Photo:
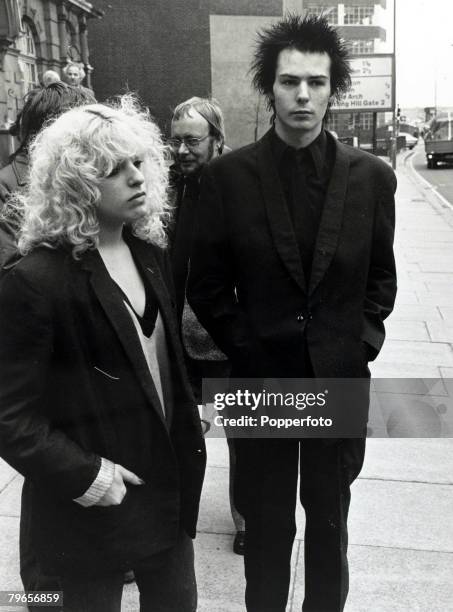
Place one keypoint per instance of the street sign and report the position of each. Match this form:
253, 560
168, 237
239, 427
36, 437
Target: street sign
372, 85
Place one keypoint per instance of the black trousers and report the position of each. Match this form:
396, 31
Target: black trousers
266, 495
166, 583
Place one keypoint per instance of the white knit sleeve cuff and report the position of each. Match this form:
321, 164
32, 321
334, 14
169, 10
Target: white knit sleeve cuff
99, 486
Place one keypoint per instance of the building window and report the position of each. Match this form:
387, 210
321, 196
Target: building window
27, 58
358, 15
334, 122
361, 46
366, 121
362, 121
329, 12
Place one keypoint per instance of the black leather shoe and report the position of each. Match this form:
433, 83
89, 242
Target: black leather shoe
239, 543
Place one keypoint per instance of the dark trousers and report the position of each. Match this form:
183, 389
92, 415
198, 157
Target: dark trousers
197, 370
33, 578
266, 493
166, 583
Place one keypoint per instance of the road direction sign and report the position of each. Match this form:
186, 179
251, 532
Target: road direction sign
372, 85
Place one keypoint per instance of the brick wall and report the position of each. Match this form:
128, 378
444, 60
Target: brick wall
159, 49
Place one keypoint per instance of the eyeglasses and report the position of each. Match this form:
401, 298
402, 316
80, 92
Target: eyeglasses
191, 142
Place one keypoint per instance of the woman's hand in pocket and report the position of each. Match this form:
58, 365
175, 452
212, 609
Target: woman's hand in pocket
117, 490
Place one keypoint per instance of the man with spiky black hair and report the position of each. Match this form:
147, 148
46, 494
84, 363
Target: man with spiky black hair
293, 274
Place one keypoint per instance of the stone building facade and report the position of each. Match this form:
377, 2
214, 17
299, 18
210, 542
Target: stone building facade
35, 36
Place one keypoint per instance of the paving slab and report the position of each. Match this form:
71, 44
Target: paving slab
410, 415
416, 312
407, 297
416, 238
220, 574
438, 277
447, 314
6, 474
440, 331
442, 298
10, 497
394, 369
388, 580
398, 514
427, 248
422, 353
9, 558
415, 460
435, 263
436, 285
217, 452
407, 330
409, 284
215, 515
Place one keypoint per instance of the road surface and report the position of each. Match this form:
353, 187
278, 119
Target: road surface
441, 178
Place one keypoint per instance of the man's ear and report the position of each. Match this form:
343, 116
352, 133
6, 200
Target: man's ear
218, 146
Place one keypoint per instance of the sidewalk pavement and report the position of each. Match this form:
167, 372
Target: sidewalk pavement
401, 517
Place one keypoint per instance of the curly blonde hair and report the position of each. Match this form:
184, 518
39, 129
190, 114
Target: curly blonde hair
69, 160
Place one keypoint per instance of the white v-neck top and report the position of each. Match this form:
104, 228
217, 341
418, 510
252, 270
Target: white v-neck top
155, 352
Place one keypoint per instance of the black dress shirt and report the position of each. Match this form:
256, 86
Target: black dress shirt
304, 175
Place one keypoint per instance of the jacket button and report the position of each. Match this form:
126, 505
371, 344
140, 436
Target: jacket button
300, 317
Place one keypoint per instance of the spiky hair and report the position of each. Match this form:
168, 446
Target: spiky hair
308, 35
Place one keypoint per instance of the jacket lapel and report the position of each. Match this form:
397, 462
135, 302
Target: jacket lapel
277, 212
331, 219
122, 324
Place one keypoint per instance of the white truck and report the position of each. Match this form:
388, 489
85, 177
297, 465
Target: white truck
439, 140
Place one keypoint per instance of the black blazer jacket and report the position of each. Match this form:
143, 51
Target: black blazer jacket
75, 387
247, 285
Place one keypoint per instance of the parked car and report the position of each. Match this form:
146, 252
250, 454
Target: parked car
411, 141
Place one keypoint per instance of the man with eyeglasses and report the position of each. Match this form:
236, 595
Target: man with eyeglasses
197, 137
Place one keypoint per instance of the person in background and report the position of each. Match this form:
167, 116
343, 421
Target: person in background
41, 105
293, 273
50, 76
74, 74
95, 407
197, 137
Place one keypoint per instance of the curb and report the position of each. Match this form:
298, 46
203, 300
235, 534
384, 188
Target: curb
408, 162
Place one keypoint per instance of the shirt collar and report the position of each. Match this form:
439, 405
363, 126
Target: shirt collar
317, 150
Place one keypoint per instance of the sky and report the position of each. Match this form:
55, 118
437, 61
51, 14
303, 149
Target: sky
424, 52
